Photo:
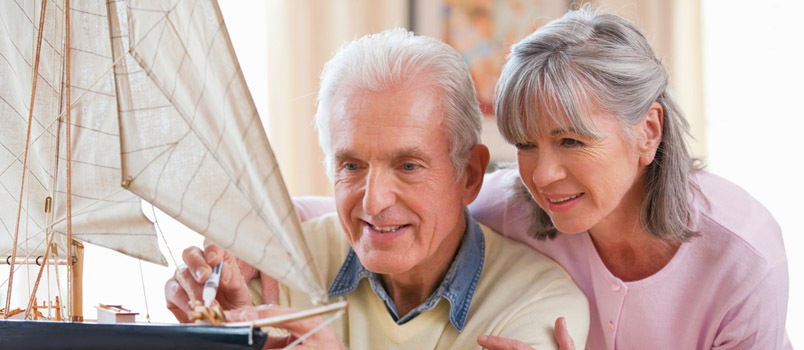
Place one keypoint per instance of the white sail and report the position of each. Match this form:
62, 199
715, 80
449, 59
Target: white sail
163, 109
192, 141
103, 212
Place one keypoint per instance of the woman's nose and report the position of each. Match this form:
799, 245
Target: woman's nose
547, 169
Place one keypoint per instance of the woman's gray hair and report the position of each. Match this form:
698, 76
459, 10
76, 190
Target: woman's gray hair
590, 59
396, 58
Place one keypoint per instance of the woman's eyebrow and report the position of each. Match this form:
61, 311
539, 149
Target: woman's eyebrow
564, 130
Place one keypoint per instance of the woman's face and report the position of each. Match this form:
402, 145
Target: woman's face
583, 181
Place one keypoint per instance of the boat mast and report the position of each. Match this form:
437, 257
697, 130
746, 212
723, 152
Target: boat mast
76, 292
75, 315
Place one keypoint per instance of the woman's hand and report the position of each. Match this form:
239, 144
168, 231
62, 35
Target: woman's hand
562, 335
324, 338
497, 343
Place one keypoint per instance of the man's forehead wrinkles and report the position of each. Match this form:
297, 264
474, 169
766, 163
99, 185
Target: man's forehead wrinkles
409, 152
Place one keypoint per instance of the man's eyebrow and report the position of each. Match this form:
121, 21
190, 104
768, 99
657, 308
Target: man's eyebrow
412, 152
345, 154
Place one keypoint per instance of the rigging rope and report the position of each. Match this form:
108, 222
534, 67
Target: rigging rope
179, 277
144, 294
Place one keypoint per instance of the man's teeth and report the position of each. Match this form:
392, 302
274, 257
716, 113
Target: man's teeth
559, 200
386, 229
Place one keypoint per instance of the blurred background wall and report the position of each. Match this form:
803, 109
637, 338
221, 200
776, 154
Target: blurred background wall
303, 34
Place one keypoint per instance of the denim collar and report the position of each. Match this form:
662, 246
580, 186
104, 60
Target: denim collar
458, 285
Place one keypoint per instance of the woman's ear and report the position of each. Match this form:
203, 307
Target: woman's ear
650, 129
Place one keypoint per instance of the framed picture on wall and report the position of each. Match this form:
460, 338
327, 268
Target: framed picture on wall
484, 30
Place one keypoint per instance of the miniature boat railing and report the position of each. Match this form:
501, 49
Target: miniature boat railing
36, 261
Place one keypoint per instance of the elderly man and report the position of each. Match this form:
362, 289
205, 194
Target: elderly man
399, 122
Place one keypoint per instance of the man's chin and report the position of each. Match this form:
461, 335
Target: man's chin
382, 265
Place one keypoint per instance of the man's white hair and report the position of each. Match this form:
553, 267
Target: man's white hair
393, 59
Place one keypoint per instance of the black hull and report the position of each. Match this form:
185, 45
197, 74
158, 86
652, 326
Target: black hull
36, 335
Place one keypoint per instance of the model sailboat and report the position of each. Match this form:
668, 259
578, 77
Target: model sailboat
107, 103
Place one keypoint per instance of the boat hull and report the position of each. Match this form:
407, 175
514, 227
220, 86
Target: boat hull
88, 336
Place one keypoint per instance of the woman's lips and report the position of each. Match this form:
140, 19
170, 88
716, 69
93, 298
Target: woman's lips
563, 202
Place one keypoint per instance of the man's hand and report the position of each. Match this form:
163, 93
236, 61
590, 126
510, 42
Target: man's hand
233, 291
497, 343
325, 338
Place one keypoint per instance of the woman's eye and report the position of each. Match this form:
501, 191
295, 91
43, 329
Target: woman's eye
524, 146
567, 142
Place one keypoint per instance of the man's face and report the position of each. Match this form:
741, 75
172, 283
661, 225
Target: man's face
395, 187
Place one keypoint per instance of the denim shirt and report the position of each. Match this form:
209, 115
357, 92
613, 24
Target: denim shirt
458, 285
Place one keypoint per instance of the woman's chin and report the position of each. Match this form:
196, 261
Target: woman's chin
570, 228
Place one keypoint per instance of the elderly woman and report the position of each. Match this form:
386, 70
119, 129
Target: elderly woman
669, 256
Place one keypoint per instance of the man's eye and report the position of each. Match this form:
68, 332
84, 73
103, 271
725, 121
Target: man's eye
409, 166
350, 166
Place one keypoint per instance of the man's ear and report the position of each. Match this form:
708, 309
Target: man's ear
474, 171
650, 133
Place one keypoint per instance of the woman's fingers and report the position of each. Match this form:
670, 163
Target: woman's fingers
498, 343
562, 335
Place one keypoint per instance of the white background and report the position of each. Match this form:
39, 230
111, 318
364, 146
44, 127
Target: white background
753, 56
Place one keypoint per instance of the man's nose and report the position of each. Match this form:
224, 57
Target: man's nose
379, 193
548, 169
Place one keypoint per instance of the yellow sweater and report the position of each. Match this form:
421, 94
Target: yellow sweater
519, 295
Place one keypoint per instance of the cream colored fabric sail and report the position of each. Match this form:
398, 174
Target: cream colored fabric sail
161, 108
192, 141
103, 212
